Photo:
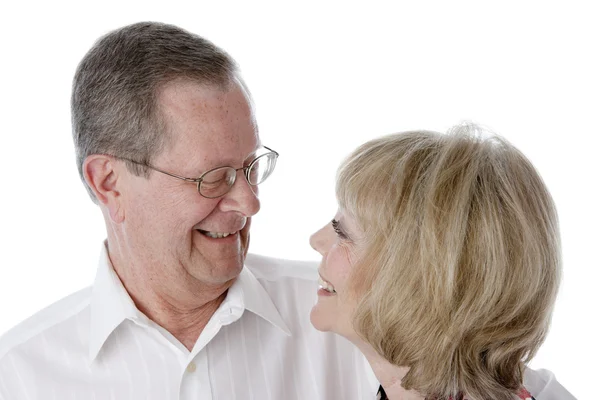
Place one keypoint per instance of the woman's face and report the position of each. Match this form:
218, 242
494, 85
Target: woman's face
339, 242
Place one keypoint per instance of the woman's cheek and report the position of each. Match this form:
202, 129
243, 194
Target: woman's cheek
341, 266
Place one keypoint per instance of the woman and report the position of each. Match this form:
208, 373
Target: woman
442, 265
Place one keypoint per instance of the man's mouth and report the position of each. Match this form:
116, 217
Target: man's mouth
216, 235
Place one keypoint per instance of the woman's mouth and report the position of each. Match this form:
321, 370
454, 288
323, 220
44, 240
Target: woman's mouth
326, 286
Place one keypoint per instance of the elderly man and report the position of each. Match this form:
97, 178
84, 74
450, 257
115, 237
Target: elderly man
168, 147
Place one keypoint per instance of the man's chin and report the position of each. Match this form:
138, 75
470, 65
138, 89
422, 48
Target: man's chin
220, 259
226, 269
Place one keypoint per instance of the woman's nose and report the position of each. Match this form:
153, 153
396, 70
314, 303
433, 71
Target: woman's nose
318, 240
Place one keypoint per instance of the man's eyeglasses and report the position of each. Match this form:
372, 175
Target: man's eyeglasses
217, 181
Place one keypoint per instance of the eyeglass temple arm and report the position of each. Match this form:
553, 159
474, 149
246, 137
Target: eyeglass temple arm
270, 149
183, 178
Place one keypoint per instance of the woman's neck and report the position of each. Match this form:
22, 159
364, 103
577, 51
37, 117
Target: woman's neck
389, 376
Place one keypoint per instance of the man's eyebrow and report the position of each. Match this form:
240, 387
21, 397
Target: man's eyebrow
253, 154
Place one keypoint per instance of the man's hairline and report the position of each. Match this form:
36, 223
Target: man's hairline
232, 82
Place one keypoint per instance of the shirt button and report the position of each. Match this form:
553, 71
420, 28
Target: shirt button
191, 368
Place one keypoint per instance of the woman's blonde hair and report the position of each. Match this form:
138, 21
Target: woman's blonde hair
461, 266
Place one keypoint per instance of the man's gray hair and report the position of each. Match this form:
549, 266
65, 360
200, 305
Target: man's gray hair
114, 101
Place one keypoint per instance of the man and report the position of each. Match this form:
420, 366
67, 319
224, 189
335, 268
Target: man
168, 147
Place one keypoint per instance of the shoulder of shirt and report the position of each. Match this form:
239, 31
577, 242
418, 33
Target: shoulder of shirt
542, 384
274, 269
44, 319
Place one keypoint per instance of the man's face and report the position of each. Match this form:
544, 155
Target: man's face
166, 219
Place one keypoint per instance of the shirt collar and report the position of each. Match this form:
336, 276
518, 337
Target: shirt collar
111, 304
257, 300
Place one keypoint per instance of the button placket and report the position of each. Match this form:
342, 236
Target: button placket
195, 382
191, 368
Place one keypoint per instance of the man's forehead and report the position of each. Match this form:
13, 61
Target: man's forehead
215, 124
185, 92
182, 101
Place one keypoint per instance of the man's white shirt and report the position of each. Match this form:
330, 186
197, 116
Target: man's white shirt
95, 344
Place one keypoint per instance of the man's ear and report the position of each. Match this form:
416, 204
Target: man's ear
101, 174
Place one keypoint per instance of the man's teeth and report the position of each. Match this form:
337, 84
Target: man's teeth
217, 235
326, 285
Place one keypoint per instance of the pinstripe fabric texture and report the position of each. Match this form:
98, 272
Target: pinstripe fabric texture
259, 344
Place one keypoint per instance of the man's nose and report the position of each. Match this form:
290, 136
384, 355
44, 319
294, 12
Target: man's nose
242, 197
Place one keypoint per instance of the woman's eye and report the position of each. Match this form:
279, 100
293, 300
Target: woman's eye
338, 231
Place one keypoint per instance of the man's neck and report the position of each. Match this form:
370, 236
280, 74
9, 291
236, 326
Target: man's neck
183, 308
185, 325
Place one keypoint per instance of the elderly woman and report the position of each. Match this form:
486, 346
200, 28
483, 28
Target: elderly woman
442, 265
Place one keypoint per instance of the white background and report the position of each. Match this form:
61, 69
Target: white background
325, 77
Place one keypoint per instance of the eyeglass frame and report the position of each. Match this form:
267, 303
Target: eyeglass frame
198, 180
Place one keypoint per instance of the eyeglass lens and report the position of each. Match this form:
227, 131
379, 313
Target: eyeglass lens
217, 182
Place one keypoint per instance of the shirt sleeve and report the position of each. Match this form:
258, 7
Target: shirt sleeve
543, 385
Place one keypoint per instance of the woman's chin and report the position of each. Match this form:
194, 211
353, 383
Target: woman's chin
327, 319
320, 319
